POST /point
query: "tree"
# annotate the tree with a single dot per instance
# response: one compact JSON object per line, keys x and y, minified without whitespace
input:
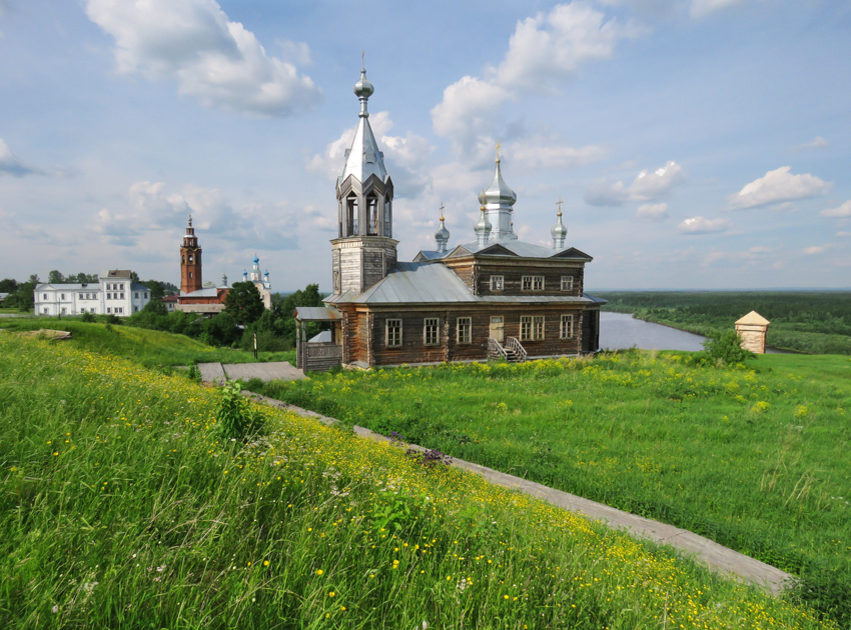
{"x":8,"y":285}
{"x":243,"y":303}
{"x":54,"y":277}
{"x":726,"y":346}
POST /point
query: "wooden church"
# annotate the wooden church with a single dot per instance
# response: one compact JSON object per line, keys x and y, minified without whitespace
{"x":496,"y":296}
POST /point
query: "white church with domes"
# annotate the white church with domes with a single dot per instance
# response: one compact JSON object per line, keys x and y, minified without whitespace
{"x":495,"y":296}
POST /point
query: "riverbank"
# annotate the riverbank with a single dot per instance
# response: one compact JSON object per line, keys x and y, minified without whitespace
{"x":802,"y":322}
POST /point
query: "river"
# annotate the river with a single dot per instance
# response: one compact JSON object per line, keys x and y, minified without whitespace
{"x":621,"y":330}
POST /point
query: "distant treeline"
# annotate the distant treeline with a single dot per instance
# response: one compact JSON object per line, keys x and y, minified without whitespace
{"x":815,"y":322}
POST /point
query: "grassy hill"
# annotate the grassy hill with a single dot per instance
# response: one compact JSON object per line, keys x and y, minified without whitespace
{"x":150,"y":348}
{"x":119,"y":509}
{"x":755,"y":458}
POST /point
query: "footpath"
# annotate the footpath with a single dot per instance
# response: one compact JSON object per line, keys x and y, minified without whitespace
{"x":271,"y":371}
{"x":717,"y":558}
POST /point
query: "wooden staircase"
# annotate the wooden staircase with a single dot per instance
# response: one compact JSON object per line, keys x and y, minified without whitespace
{"x":512,"y":351}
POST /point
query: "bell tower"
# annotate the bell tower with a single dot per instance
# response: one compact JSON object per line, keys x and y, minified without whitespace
{"x":364,"y":250}
{"x":190,"y":261}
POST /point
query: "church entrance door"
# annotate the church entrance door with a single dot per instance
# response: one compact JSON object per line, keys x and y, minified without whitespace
{"x":497,"y":330}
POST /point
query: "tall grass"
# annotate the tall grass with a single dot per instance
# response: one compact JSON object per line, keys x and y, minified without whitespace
{"x":118,"y":509}
{"x":755,"y":458}
{"x":150,"y":348}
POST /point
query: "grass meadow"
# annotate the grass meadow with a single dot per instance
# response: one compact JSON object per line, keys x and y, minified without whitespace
{"x":756,"y":458}
{"x":146,"y":347}
{"x":120,"y":509}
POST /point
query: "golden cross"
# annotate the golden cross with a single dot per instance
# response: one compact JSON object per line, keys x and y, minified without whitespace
{"x":190,"y":220}
{"x":498,"y":145}
{"x":558,"y":203}
{"x":363,"y":60}
{"x":441,"y":211}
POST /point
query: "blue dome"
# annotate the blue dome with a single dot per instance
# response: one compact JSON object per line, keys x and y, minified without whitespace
{"x":244,"y":273}
{"x":267,"y":273}
{"x":256,"y":260}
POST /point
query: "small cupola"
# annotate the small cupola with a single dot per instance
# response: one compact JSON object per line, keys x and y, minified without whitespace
{"x":559,"y":231}
{"x":483,"y":228}
{"x":442,"y":234}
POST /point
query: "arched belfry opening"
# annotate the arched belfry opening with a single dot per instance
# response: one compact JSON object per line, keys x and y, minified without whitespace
{"x":364,"y":250}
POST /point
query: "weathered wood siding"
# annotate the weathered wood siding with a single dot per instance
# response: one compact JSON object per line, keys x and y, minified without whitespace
{"x":413,"y":349}
{"x":513,"y":278}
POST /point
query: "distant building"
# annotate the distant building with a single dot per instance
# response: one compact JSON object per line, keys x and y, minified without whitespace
{"x":494,"y":297}
{"x":114,"y":294}
{"x":264,"y":286}
{"x":194,"y":298}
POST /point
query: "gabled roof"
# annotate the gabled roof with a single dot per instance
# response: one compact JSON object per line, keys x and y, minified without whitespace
{"x":415,"y":282}
{"x":509,"y":248}
{"x":753,"y":318}
{"x":316,"y":314}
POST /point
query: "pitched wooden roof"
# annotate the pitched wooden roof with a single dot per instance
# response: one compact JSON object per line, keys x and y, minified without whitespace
{"x":753,"y":318}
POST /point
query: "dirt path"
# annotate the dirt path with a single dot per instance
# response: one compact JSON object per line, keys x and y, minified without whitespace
{"x":712,"y":555}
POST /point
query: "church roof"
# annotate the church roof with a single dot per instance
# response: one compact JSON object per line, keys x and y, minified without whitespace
{"x":414,"y":283}
{"x":363,"y":158}
{"x":753,"y":318}
{"x":519,"y":249}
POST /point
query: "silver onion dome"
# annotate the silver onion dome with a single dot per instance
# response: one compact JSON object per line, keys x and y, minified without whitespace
{"x":441,"y":236}
{"x":559,"y":233}
{"x":498,"y":193}
{"x":363,"y":89}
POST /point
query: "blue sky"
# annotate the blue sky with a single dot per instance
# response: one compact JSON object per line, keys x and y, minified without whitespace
{"x":695,"y":143}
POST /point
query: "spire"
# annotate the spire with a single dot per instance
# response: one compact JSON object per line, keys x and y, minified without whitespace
{"x":224,"y":279}
{"x":559,"y":231}
{"x":363,"y":158}
{"x":442,"y":234}
{"x":483,"y":229}
{"x":499,"y":200}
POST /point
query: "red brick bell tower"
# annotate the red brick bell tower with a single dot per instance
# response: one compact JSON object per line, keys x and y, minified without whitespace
{"x":190,"y":261}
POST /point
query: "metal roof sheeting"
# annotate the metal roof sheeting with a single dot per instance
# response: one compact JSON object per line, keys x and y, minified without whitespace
{"x":316,"y":314}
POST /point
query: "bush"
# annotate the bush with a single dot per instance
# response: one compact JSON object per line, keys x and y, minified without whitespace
{"x":87,"y":318}
{"x":726,"y":346}
{"x":114,"y":320}
{"x":236,"y":419}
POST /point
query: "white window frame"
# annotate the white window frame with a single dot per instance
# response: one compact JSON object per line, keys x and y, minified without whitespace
{"x":525,"y":328}
{"x":393,"y":338}
{"x":567,"y":283}
{"x":538,"y":327}
{"x":431,"y":331}
{"x":464,"y":330}
{"x":532,"y":283}
{"x":566,"y":327}
{"x":497,"y":283}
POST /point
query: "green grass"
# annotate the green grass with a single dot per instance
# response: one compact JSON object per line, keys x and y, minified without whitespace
{"x":150,"y":348}
{"x":814,"y":322}
{"x":118,"y":509}
{"x":756,"y":459}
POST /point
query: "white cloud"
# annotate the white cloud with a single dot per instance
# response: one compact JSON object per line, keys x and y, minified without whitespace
{"x":778,"y":186}
{"x":543,"y":51}
{"x":11,"y":165}
{"x":652,"y":212}
{"x":212,"y":59}
{"x":815,"y":143}
{"x":814,"y":251}
{"x":699,"y":8}
{"x":842,"y":211}
{"x":701,"y":225}
{"x":843,"y":233}
{"x":540,"y":152}
{"x":645,"y":187}
{"x":152,"y":210}
{"x":649,"y":8}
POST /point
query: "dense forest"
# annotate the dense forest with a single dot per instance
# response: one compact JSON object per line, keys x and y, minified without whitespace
{"x":815,"y":322}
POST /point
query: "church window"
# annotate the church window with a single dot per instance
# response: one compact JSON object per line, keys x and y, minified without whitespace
{"x":531,"y":327}
{"x":497,"y":283}
{"x":352,"y":215}
{"x":393,"y":333}
{"x":464,"y":326}
{"x":122,"y":296}
{"x":45,"y":310}
{"x":190,"y":274}
{"x":63,"y":296}
{"x":81,"y":296}
{"x":567,"y":283}
{"x":146,"y":295}
{"x":109,"y":309}
{"x":372,"y":216}
{"x":388,"y":231}
{"x":533,"y":283}
{"x":44,"y":296}
{"x":136,"y":295}
{"x":566,"y":331}
{"x":525,"y":328}
{"x":431,"y":331}
{"x":64,"y":311}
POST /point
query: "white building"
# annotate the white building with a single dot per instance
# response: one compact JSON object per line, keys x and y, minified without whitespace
{"x":264,"y":286}
{"x":114,"y":294}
